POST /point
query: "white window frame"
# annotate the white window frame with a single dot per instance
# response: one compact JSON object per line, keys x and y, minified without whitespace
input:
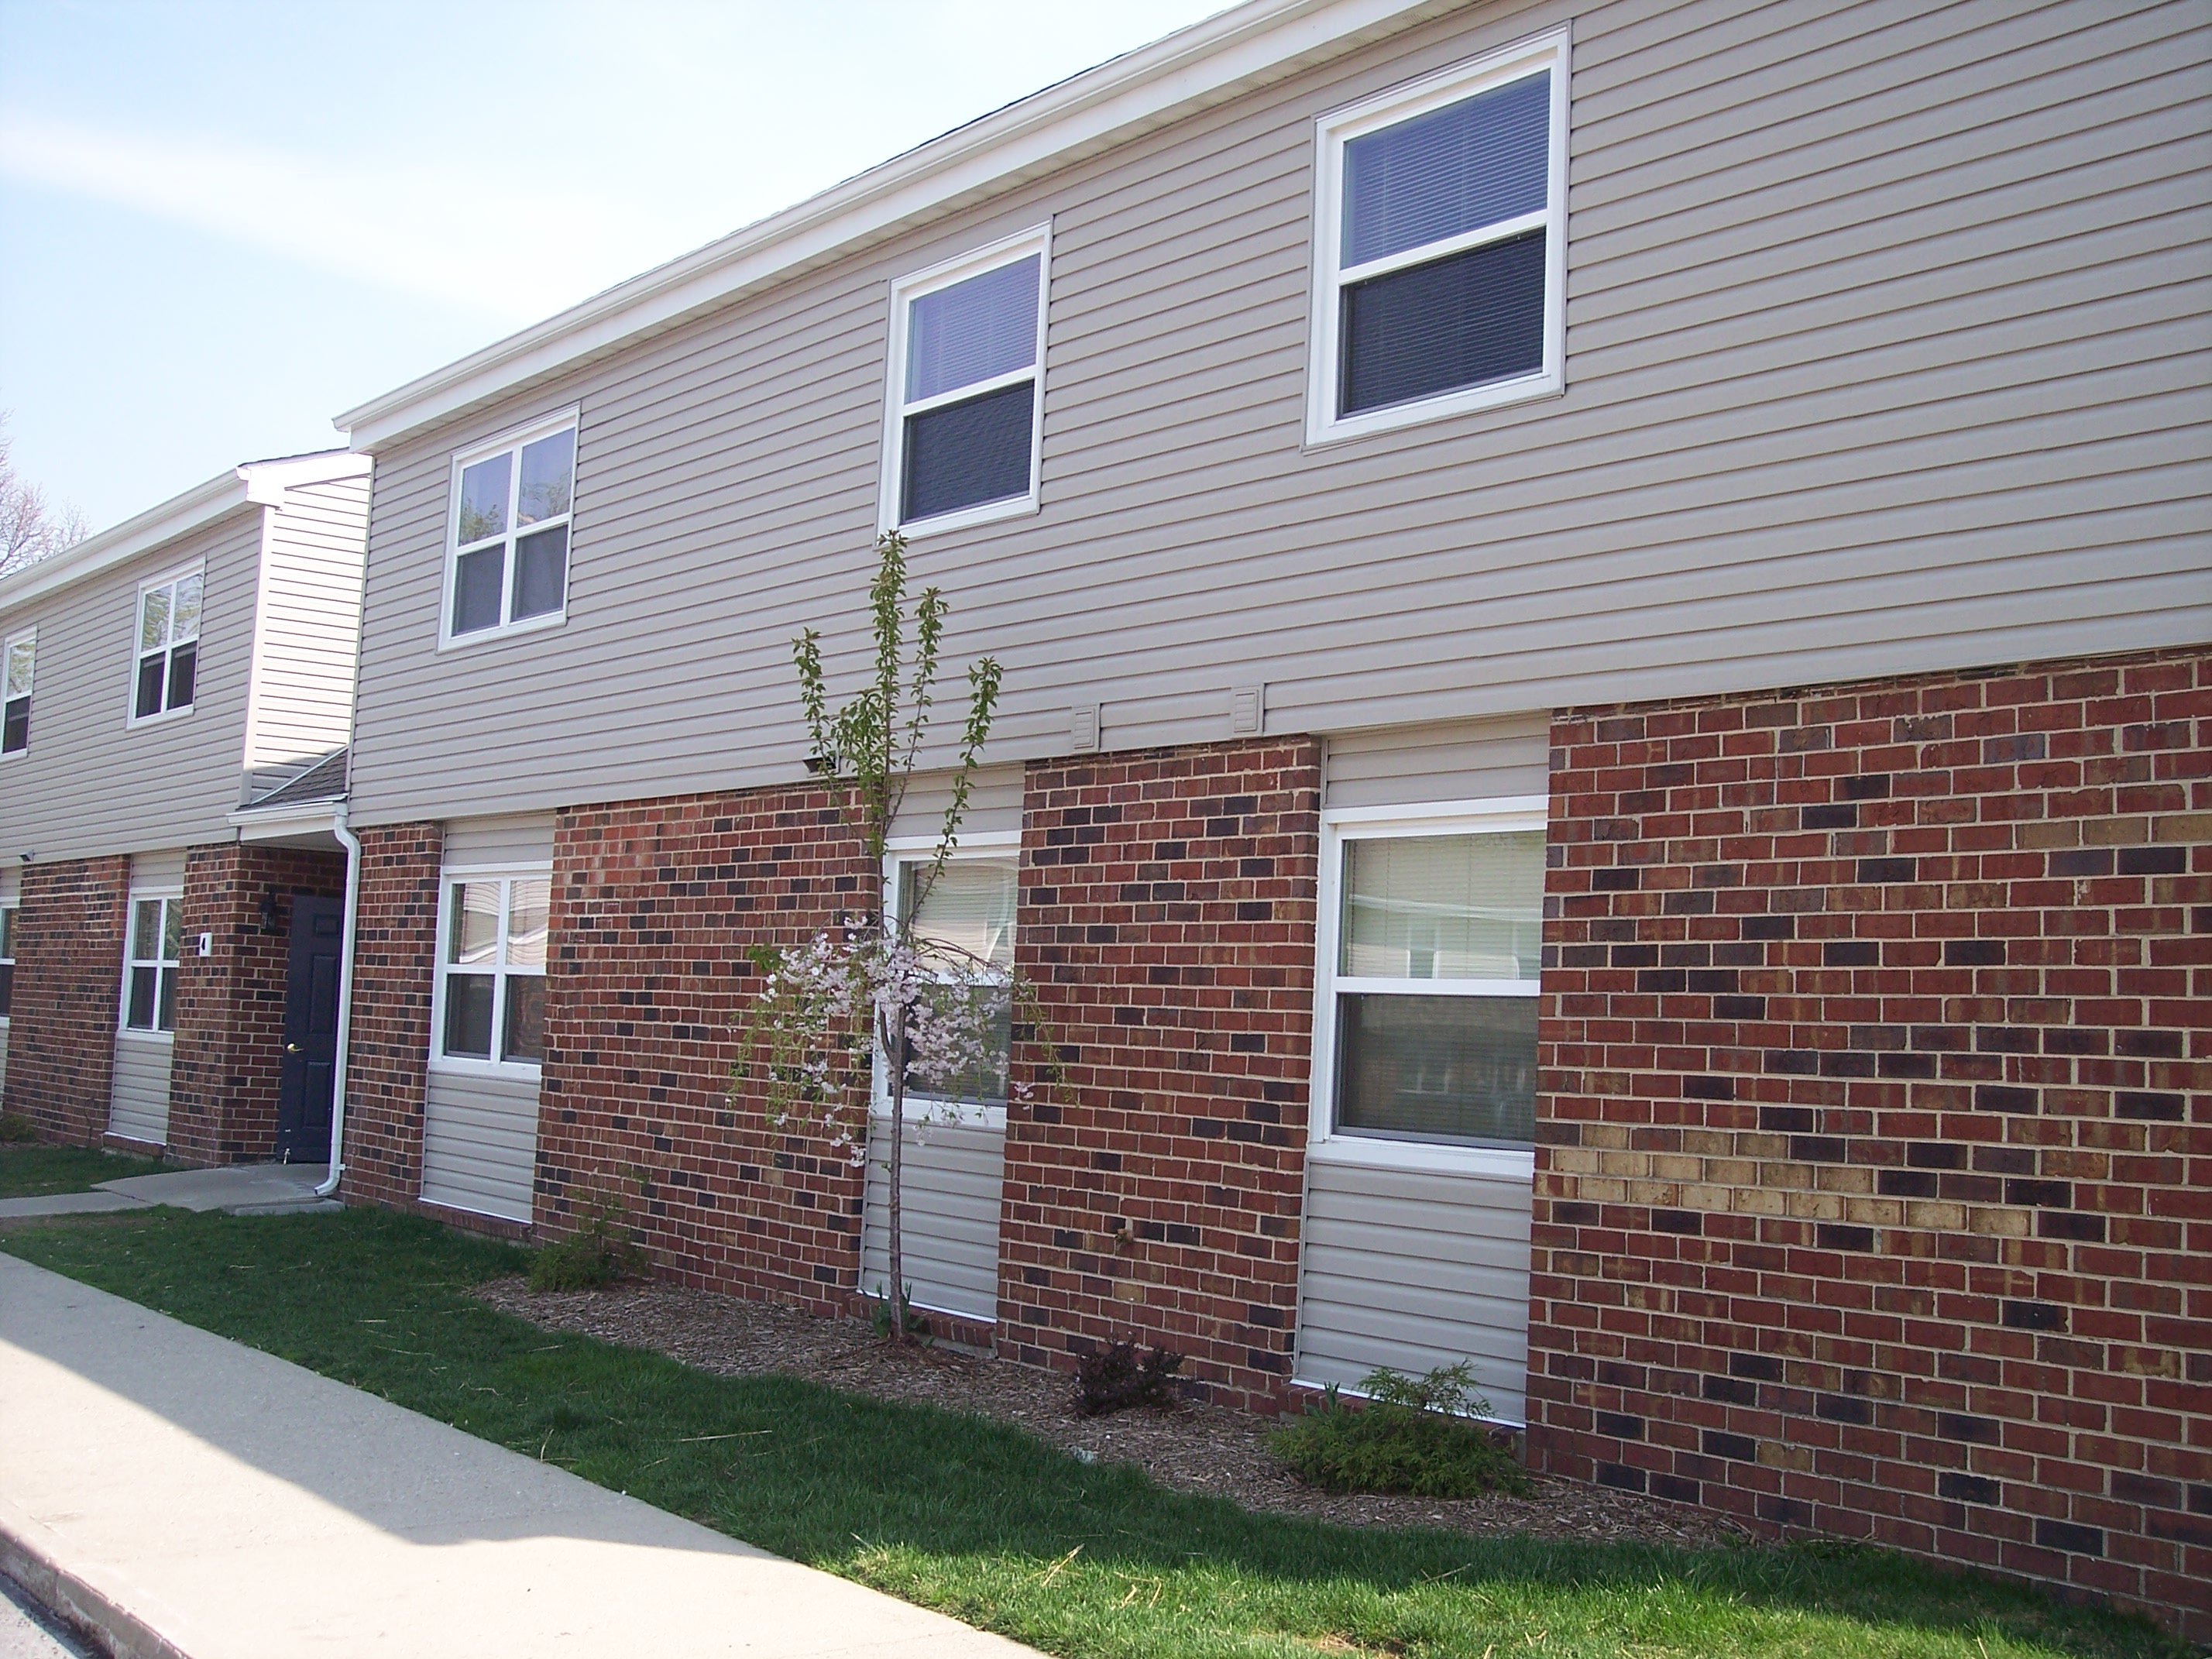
{"x":168,"y":894}
{"x":11,"y":918}
{"x":516,"y":439}
{"x":1331,"y":133}
{"x":505,"y":874}
{"x":898,"y":852}
{"x":905,"y":290}
{"x":30,"y":636}
{"x":1500,"y":816}
{"x":133,"y":718}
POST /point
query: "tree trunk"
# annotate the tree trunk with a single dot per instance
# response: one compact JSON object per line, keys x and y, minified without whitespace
{"x":895,"y":1161}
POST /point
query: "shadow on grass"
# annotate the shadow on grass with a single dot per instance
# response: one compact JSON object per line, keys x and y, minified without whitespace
{"x":990,"y":1524}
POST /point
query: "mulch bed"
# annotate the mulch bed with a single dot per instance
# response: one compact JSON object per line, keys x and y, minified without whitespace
{"x":1190,"y":1447}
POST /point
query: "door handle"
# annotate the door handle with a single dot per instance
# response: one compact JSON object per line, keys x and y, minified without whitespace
{"x":291,"y":1048}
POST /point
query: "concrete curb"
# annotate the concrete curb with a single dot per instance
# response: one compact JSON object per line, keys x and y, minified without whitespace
{"x":91,"y":1615}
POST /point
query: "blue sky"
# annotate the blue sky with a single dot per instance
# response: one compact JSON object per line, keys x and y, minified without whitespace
{"x":221,"y":223}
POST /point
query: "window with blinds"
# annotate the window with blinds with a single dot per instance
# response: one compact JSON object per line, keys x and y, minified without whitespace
{"x":1438,"y":255}
{"x":963,"y":412}
{"x":1432,"y":991}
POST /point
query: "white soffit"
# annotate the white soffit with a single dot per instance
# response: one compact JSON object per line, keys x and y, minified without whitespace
{"x":1247,"y":46}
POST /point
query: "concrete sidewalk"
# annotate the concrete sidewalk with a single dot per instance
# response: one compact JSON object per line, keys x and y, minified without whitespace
{"x":240,"y":1188}
{"x":208,"y":1500}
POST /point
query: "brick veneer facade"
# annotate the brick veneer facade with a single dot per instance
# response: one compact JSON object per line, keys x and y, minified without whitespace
{"x":229,"y":1048}
{"x":1166,"y":919}
{"x":394,"y":960}
{"x":656,"y":907}
{"x":1876,"y":1194}
{"x":69,"y":969}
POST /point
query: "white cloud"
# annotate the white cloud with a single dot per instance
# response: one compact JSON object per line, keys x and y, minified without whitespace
{"x":484,"y":241}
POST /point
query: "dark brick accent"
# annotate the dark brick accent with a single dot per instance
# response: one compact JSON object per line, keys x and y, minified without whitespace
{"x":68,"y":980}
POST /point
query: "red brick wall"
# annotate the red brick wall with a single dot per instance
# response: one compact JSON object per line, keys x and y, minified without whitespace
{"x":1167,"y":921}
{"x":395,"y":959}
{"x":656,"y":905}
{"x":1877,"y":1188}
{"x":230,"y":1004}
{"x":68,"y":981}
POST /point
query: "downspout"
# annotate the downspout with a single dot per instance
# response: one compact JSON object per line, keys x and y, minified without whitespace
{"x":351,"y":842}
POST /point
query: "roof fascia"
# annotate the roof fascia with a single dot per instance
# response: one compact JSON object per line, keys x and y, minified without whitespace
{"x":1119,"y":99}
{"x":196,"y":509}
{"x":267,"y":481}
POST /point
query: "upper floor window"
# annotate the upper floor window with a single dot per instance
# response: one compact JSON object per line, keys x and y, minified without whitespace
{"x":8,"y":915}
{"x":169,"y":655}
{"x":149,"y":972}
{"x":1440,"y":244}
{"x":507,"y":546}
{"x":1432,"y":946}
{"x":963,"y":409}
{"x":491,"y":969}
{"x":17,"y":659}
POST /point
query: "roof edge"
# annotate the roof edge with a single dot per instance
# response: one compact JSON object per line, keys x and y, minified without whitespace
{"x":1118,"y":98}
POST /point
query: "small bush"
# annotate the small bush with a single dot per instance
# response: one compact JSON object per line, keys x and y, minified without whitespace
{"x":1117,"y":1377}
{"x":14,"y":1127}
{"x":917,"y":1322}
{"x":596,"y":1253}
{"x":1412,"y":1436}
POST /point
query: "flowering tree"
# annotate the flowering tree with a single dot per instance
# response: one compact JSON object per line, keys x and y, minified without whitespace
{"x":874,"y":999}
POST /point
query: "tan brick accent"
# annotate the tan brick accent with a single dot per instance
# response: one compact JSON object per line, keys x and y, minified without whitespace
{"x":1876,"y":1194}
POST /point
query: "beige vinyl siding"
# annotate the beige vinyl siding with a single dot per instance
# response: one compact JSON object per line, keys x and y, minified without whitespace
{"x":1468,"y":760}
{"x":139,"y":1105}
{"x":994,"y":802}
{"x":1886,"y":351}
{"x":1413,"y":1269}
{"x":93,"y":785}
{"x":518,"y":840}
{"x":949,"y":1194}
{"x":309,"y":627}
{"x":162,"y":871}
{"x":480,"y":1144}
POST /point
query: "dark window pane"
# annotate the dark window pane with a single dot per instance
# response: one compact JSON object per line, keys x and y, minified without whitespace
{"x":15,"y":726}
{"x":183,"y":668}
{"x":547,"y":468}
{"x":1475,"y":317}
{"x":541,"y":569}
{"x":7,"y":987}
{"x":476,"y":589}
{"x":483,"y":499}
{"x":165,"y":1018}
{"x":985,"y":1084}
{"x":1446,"y":1067}
{"x":468,"y":1015}
{"x":1454,"y":170}
{"x":153,"y":673}
{"x":965,"y":455}
{"x":143,"y":988}
{"x":525,"y":1037}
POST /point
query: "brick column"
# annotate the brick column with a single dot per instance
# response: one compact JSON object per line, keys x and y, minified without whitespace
{"x":1168,"y":902}
{"x":69,"y":979}
{"x":230,"y":1003}
{"x":1876,"y":1189}
{"x":656,"y":905}
{"x":395,"y":957}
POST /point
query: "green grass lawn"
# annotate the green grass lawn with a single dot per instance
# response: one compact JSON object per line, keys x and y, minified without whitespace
{"x":991,"y":1525}
{"x":39,"y":1171}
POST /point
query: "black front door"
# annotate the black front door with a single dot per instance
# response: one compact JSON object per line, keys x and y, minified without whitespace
{"x":311,"y":1032}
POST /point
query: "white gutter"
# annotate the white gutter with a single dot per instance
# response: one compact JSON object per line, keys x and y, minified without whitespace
{"x":1134,"y":93}
{"x":351,"y":842}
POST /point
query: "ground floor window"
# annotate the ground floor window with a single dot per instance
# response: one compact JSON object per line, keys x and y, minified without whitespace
{"x":8,"y":913}
{"x":153,"y":947}
{"x":491,"y":968}
{"x":965,"y":909}
{"x":1431,"y":945}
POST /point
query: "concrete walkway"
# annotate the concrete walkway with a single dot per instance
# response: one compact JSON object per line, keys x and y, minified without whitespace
{"x":196,"y":1498}
{"x":240,"y":1188}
